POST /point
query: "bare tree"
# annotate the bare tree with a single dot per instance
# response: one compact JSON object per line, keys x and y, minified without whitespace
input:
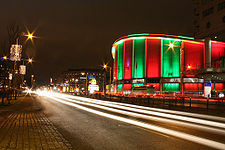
{"x":14,"y":32}
{"x":4,"y":47}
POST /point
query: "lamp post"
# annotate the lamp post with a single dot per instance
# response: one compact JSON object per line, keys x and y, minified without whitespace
{"x":29,"y":37}
{"x":105,"y":66}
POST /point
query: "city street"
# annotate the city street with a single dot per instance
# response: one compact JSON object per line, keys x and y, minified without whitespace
{"x":93,"y":75}
{"x":96,"y":124}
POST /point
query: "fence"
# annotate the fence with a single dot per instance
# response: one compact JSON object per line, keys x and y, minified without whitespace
{"x":170,"y":101}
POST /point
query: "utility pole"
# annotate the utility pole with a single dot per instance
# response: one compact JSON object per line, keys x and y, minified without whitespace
{"x":104,"y":83}
{"x":86,"y":84}
{"x":110,"y":80}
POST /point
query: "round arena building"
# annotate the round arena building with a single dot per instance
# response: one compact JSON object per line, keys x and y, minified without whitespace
{"x":166,"y":62}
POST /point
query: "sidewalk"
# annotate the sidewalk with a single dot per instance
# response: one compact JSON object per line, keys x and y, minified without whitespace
{"x":23,"y":125}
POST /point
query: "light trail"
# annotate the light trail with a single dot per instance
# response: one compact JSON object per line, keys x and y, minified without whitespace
{"x":215,"y":118}
{"x":142,"y":116}
{"x":171,"y":116}
{"x":185,"y":136}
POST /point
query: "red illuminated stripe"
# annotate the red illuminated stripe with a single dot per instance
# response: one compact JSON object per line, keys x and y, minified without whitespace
{"x":193,"y":56}
{"x":127,"y":67}
{"x":217,"y":50}
{"x":146,"y":57}
{"x":153,"y":58}
{"x":127,"y":87}
{"x":115,"y":64}
{"x":219,"y":86}
{"x":193,"y":87}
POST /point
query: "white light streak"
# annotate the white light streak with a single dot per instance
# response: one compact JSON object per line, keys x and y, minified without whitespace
{"x":171,"y":116}
{"x":155,"y":109}
{"x":186,"y":124}
{"x":188,"y":137}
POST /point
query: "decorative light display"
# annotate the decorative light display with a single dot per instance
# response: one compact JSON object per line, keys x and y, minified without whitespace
{"x":15,"y":52}
{"x":138,"y":58}
{"x":120,"y":61}
{"x":158,"y":56}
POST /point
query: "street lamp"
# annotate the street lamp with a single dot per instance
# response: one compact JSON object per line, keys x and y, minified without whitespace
{"x":30,"y":60}
{"x":30,"y":36}
{"x":105,"y":66}
{"x":5,"y":57}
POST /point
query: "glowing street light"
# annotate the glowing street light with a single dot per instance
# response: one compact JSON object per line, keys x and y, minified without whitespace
{"x":30,"y":60}
{"x":5,"y":57}
{"x":105,"y":66}
{"x":30,"y":36}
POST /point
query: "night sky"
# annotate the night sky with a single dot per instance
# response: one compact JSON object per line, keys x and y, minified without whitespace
{"x":80,"y":33}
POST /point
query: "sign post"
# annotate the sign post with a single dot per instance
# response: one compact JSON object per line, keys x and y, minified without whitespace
{"x":207,"y":89}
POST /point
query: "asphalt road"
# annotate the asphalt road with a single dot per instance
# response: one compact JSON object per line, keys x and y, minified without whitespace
{"x":99,"y":125}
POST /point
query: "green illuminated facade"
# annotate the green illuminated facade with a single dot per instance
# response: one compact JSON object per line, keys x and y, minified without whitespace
{"x":139,"y":58}
{"x":159,"y":60}
{"x":120,"y":61}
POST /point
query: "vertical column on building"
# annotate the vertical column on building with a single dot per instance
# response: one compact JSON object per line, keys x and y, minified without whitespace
{"x":138,"y":64}
{"x":127,"y":63}
{"x":153,"y":57}
{"x":115,"y":54}
{"x":207,"y":86}
{"x":207,"y":52}
{"x":171,"y":63}
{"x":120,"y":50}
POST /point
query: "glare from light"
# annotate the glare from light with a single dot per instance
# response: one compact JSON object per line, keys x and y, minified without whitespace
{"x":171,"y":116}
{"x":185,"y":136}
{"x":133,"y":114}
{"x":171,"y":45}
{"x":28,"y":91}
{"x":30,"y":36}
{"x":189,"y":67}
{"x":210,"y":117}
{"x":5,"y":57}
{"x":30,"y":60}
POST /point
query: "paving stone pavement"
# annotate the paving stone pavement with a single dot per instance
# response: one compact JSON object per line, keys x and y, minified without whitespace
{"x":30,"y":130}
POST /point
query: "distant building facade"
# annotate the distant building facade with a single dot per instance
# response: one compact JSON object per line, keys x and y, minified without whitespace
{"x":80,"y":81}
{"x":209,"y":17}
